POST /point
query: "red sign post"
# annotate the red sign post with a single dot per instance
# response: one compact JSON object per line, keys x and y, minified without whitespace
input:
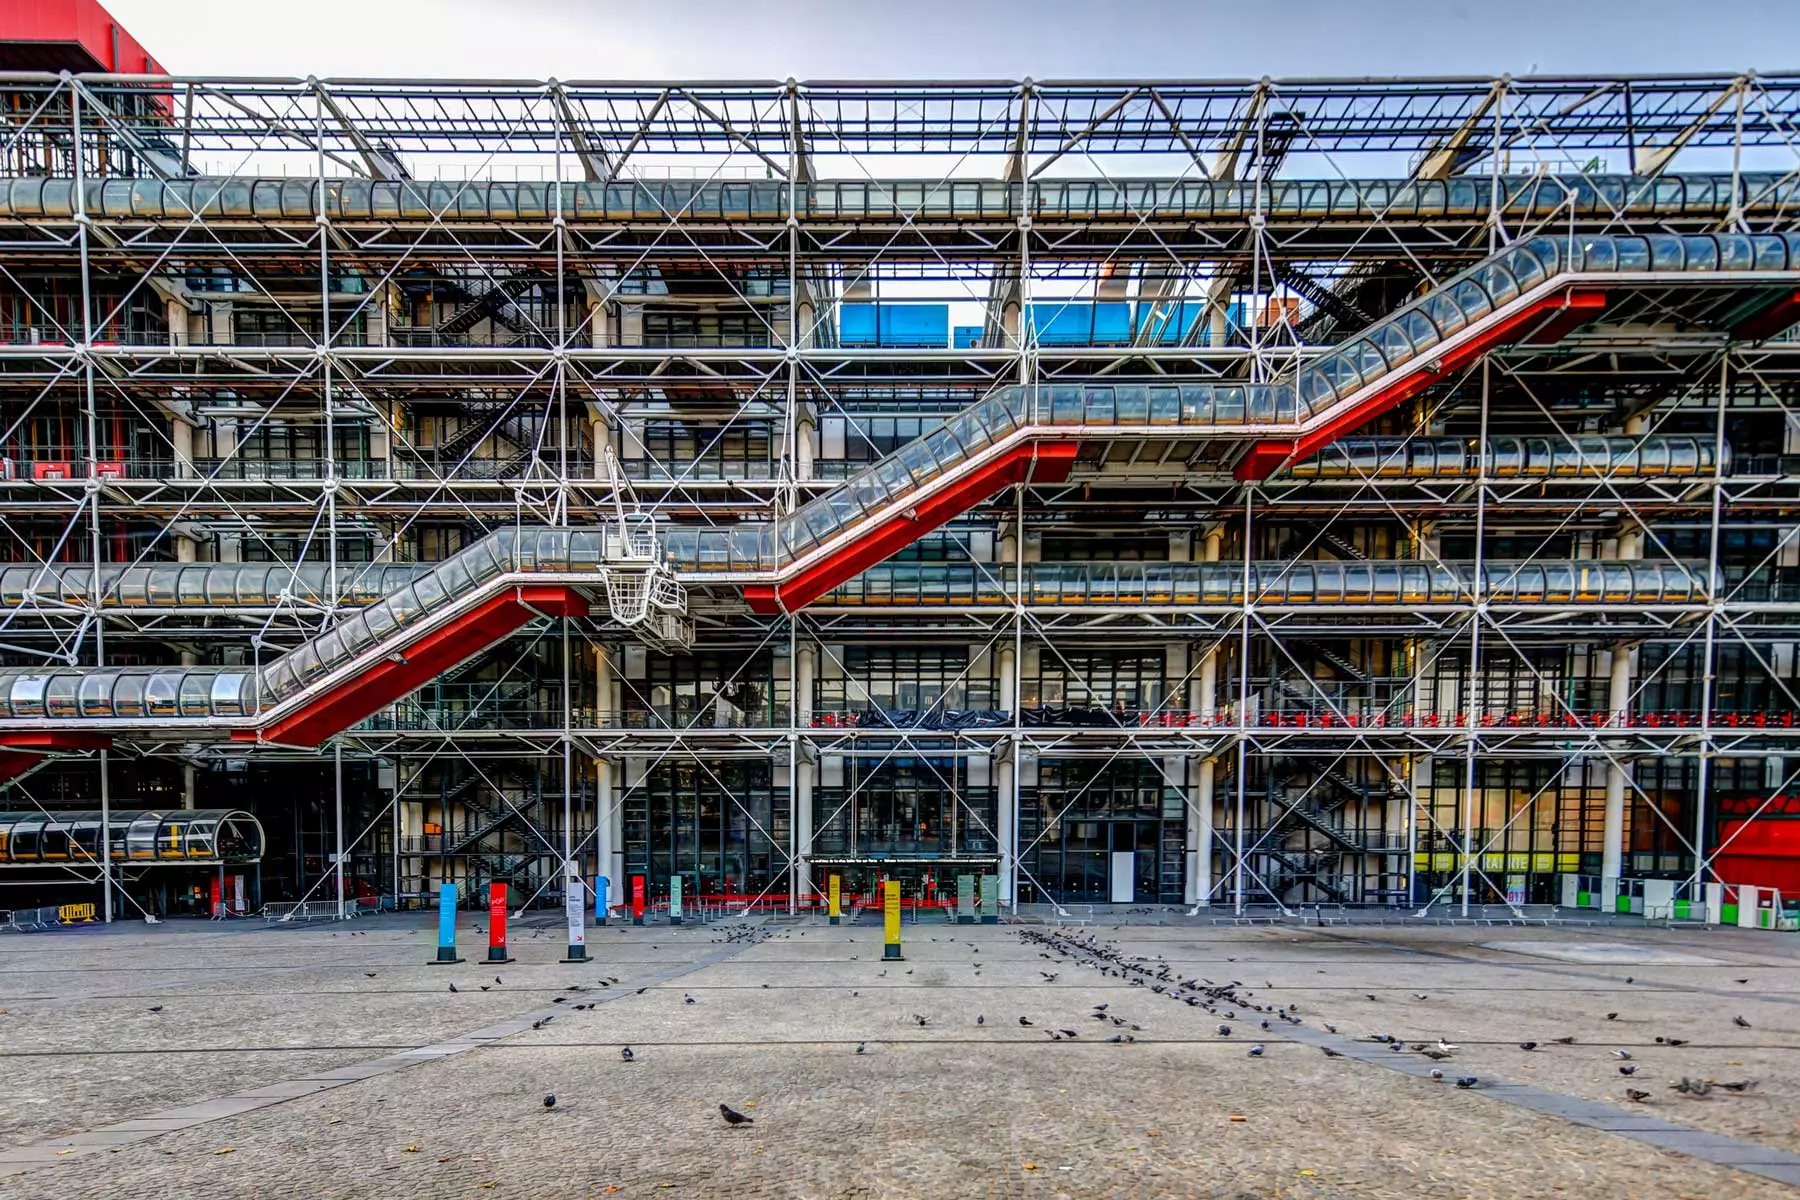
{"x":497,"y":924}
{"x":637,"y":899}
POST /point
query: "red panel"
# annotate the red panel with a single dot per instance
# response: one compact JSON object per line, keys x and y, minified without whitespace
{"x":1765,"y":853}
{"x":1580,"y":308}
{"x":82,"y":23}
{"x":1770,"y":321}
{"x":385,"y":680}
{"x":1264,"y":457}
{"x":47,"y":740}
{"x":1049,"y":462}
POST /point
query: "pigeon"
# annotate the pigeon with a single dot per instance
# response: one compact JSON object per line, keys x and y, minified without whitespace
{"x":1025,"y":1021}
{"x":734,"y":1117}
{"x":1635,"y":1096}
{"x":1099,"y":1008}
{"x":919,"y":1019}
{"x":1467,"y":1081}
{"x":1434,"y":1055}
{"x":560,"y":1000}
{"x":861,"y":1049}
{"x":497,"y":979}
{"x":1628,"y":1068}
{"x":1746,"y":980}
{"x":1612,"y":1016}
{"x":1740,"y":1085}
{"x":1070,"y":1033}
{"x":1624,"y":1055}
{"x":1224,"y":1031}
{"x":1673,"y":1041}
{"x":371,"y":975}
{"x":549,"y":1099}
{"x":1564,"y":1041}
{"x":1446,"y":1047}
{"x":156,"y":1008}
{"x":1437,"y":1074}
{"x":484,"y":987}
{"x":627,"y":1055}
{"x":1629,"y":979}
{"x":686,"y":999}
{"x":1330,"y":1053}
{"x":1691,"y":1087}
{"x":1256,"y":1051}
{"x":453,"y":987}
{"x":1740,"y":1022}
{"x":981,"y":1018}
{"x":1329,"y":1028}
{"x":1528,"y":1045}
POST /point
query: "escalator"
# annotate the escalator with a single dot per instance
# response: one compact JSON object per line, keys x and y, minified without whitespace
{"x":1537,"y":290}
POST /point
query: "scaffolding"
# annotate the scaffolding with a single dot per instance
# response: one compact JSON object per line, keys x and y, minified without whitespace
{"x":1216,"y":493}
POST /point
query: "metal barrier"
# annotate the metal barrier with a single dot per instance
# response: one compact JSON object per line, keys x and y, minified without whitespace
{"x":306,"y":910}
{"x":75,"y":914}
{"x":26,"y":920}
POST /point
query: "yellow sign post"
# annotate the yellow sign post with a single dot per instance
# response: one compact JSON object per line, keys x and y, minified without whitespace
{"x":891,"y":910}
{"x":831,"y":899}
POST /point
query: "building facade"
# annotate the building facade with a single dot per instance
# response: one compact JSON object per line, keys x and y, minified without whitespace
{"x":1201,"y":493}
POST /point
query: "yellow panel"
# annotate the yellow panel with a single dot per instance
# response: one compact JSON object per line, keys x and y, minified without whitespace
{"x":1543,"y":864}
{"x":832,"y":896}
{"x":1518,"y":864}
{"x":891,"y":906}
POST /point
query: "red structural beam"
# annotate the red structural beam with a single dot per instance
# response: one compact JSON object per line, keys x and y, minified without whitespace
{"x":24,"y":750}
{"x":387,"y":679}
{"x":1770,"y":321}
{"x":1043,"y":462}
{"x":1541,"y":322}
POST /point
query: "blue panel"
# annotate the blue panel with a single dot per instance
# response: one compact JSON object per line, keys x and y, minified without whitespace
{"x":897,"y":325}
{"x":446,"y":915}
{"x":1075,"y":323}
{"x":1168,"y":323}
{"x":966,"y":337}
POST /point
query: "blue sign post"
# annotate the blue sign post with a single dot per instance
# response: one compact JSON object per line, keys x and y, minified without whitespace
{"x":600,"y":890}
{"x":446,"y":953}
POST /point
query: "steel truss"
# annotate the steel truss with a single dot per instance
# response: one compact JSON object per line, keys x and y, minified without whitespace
{"x":360,"y":323}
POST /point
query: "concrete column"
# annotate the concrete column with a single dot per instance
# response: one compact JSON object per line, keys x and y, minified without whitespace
{"x":805,"y":671}
{"x":601,"y":438}
{"x":806,"y":433}
{"x":375,"y":316}
{"x":609,"y":833}
{"x":177,"y":314}
{"x":1612,"y":847}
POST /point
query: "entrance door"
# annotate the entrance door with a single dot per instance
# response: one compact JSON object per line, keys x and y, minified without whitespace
{"x":1124,"y":876}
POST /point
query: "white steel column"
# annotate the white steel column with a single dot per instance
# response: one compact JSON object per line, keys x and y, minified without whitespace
{"x":609,"y":817}
{"x":805,"y":764}
{"x":1203,"y":702}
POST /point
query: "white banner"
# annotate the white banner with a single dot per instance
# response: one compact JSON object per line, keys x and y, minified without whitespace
{"x":575,"y":904}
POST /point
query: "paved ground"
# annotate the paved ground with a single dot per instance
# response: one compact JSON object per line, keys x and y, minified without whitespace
{"x":952,"y":1107}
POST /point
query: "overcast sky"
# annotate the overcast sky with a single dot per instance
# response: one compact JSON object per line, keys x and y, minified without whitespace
{"x":1010,"y":39}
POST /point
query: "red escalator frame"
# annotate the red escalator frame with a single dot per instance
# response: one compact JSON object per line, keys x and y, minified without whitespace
{"x":1565,"y":311}
{"x":22,"y":751}
{"x":389,"y":678}
{"x":1040,"y":462}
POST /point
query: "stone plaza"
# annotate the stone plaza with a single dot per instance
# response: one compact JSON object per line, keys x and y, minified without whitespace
{"x":332,"y":1061}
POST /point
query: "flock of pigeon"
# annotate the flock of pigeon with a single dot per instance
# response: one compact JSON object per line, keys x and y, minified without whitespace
{"x":1228,"y":999}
